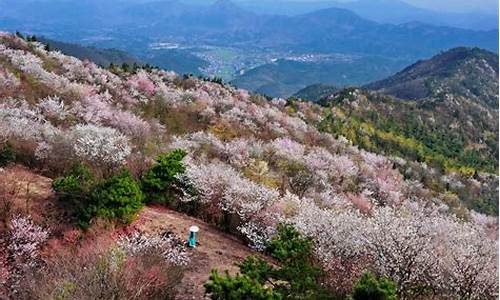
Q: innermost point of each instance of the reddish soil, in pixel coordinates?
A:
(216, 250)
(28, 193)
(32, 194)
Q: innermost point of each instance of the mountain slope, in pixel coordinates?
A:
(448, 117)
(472, 73)
(234, 160)
(285, 77)
(315, 92)
(451, 136)
(102, 57)
(217, 249)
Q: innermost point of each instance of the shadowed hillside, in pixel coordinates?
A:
(467, 72)
(102, 57)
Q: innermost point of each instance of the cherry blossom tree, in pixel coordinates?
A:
(401, 244)
(100, 145)
(288, 149)
(19, 121)
(140, 82)
(339, 245)
(23, 244)
(221, 185)
(8, 81)
(53, 108)
(467, 260)
(170, 247)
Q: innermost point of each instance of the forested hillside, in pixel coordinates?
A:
(325, 218)
(454, 140)
(442, 112)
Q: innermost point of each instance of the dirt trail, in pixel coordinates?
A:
(216, 249)
(28, 193)
(32, 194)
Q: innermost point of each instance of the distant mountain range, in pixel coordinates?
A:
(326, 31)
(382, 11)
(224, 23)
(399, 12)
(272, 54)
(381, 49)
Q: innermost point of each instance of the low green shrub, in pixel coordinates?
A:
(7, 155)
(72, 191)
(118, 197)
(159, 182)
(239, 287)
(370, 287)
(74, 185)
(300, 273)
(297, 277)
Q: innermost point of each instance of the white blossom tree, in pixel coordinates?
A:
(100, 145)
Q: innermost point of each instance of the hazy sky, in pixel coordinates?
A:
(458, 5)
(490, 6)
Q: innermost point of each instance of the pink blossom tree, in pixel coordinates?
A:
(23, 244)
